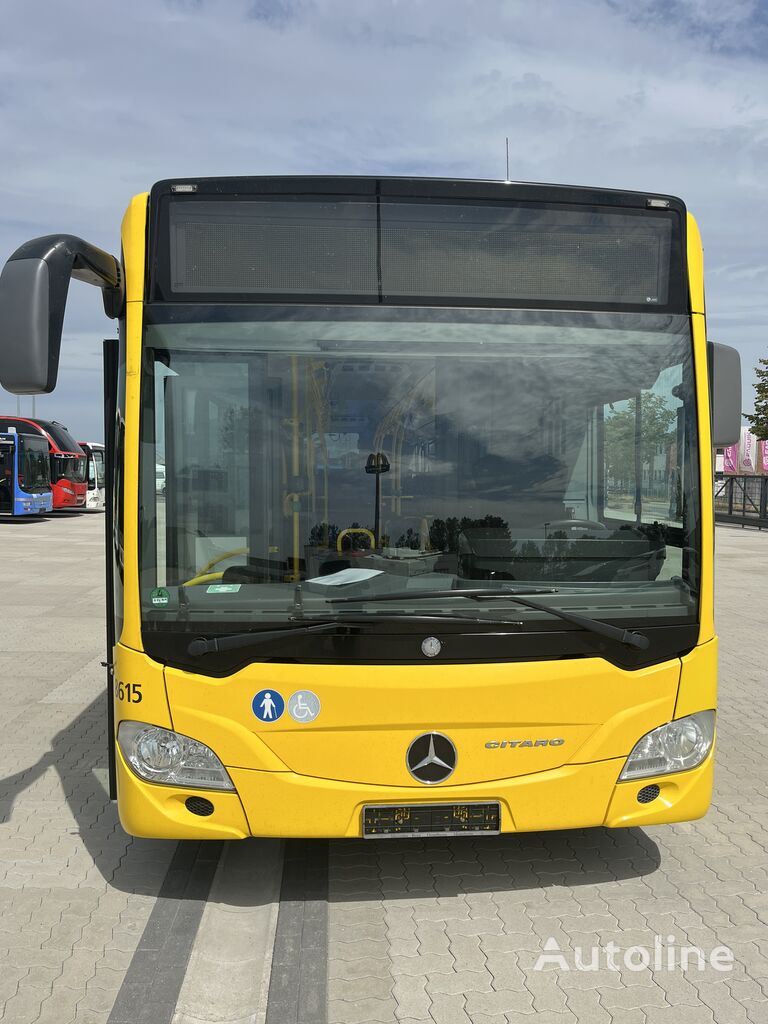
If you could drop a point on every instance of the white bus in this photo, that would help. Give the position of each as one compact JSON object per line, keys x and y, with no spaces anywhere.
{"x":95,"y":495}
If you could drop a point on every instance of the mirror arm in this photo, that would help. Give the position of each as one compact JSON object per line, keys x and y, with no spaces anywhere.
{"x":33,"y":296}
{"x":69,"y":256}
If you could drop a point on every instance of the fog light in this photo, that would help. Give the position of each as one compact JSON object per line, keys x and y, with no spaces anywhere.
{"x":675,"y":747}
{"x":160,"y":755}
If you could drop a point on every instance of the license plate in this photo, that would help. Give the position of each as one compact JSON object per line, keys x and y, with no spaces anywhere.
{"x":390,"y":821}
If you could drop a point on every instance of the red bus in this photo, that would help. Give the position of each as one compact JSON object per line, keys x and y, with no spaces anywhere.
{"x":68,"y":461}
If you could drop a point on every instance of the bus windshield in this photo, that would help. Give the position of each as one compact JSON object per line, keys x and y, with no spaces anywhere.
{"x":69,"y":467}
{"x":355,"y":450}
{"x":34,"y":466}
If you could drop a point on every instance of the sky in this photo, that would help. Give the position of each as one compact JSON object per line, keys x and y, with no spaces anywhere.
{"x":100,"y":99}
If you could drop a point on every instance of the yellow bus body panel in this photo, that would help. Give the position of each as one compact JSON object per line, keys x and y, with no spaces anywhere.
{"x":134,"y":233}
{"x":313,"y":779}
{"x":684,"y":796}
{"x":695,"y":256}
{"x":698,"y":680}
{"x":296,"y":779}
{"x":370,"y":714}
{"x":695,"y":259}
{"x":160,"y":812}
{"x":131,"y":669}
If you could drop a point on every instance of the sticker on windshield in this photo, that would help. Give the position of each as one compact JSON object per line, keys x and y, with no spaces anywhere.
{"x":159,"y":597}
{"x":268,"y":705}
{"x":303,"y":706}
{"x":223,"y":588}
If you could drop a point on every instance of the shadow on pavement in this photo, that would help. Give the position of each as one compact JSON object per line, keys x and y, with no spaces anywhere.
{"x":79,"y":755}
{"x":19,"y":521}
{"x":506,"y":863}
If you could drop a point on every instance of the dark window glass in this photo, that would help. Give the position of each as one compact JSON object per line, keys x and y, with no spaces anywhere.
{"x":497,"y":252}
{"x":273,"y":246}
{"x":34,"y":468}
{"x":397,"y":251}
{"x":98,"y":460}
{"x":67,"y":467}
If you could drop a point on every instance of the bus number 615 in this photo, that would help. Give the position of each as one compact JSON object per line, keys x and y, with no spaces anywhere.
{"x":130,"y":692}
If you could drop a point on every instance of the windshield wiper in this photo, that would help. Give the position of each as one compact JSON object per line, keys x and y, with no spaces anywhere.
{"x":624,"y":636}
{"x":403,"y":595}
{"x":232,"y":641}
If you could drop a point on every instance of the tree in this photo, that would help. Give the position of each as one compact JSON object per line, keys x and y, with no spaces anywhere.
{"x":409,"y":539}
{"x":444,"y":533}
{"x":758,"y":421}
{"x":324,"y":535}
{"x":657,"y":431}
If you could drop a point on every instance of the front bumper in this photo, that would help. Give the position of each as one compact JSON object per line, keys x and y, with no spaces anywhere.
{"x":287,"y":805}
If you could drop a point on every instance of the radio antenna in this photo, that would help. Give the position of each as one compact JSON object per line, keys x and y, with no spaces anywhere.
{"x":507,"y":142}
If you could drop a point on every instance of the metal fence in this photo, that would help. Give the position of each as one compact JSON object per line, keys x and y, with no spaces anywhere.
{"x":742,"y":500}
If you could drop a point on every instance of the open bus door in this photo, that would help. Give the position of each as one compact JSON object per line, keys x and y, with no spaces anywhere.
{"x":110,"y":365}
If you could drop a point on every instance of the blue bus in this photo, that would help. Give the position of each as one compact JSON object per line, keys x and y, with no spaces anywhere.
{"x":25,"y":475}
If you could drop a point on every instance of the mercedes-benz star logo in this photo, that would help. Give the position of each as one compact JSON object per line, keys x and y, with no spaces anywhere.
{"x":431,"y":647}
{"x":431,"y":758}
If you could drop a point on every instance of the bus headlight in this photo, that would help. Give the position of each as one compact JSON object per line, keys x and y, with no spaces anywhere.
{"x":675,"y":747}
{"x":159,"y":755}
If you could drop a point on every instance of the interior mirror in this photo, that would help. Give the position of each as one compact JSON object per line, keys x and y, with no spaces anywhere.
{"x":33,"y":296}
{"x":725,"y":394}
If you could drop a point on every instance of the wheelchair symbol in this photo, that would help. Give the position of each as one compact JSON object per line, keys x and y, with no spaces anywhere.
{"x":304,"y":706}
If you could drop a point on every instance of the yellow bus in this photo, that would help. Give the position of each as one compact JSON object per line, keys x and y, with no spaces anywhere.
{"x":434,"y":550}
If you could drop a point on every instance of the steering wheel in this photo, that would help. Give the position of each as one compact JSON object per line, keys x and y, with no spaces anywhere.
{"x":205,"y":575}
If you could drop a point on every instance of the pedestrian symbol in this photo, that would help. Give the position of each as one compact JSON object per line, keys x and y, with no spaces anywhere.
{"x":268,"y":705}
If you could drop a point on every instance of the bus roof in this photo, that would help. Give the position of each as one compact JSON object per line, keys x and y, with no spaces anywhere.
{"x":57,"y":433}
{"x":474,"y":188}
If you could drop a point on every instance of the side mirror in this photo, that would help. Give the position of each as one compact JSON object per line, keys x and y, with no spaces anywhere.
{"x":33,"y":296}
{"x":725,"y":394}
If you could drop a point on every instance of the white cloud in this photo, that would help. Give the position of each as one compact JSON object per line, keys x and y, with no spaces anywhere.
{"x":98,"y":100}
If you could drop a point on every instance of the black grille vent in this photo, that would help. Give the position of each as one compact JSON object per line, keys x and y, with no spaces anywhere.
{"x":648,"y":793}
{"x":199,"y":805}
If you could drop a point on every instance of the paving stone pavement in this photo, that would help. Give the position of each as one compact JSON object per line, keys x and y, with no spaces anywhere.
{"x":75,"y":890}
{"x":429,"y":932}
{"x":448,"y":931}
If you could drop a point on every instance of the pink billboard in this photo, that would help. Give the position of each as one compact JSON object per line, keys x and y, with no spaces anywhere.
{"x":748,"y":452}
{"x":731,"y":459}
{"x":763,"y":458}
